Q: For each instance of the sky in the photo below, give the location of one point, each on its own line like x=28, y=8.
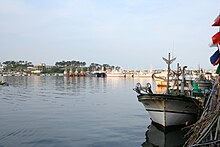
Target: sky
x=132, y=34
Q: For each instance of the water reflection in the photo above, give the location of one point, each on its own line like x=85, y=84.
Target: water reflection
x=155, y=137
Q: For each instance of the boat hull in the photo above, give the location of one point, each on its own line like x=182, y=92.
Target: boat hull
x=168, y=110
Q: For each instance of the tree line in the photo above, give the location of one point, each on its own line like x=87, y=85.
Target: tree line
x=22, y=65
x=16, y=65
x=70, y=63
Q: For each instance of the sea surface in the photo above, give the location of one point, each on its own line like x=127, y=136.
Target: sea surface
x=50, y=111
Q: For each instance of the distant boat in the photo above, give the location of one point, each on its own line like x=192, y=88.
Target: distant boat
x=82, y=74
x=65, y=72
x=169, y=109
x=97, y=74
x=92, y=75
x=142, y=74
x=4, y=83
x=161, y=79
x=76, y=73
x=115, y=73
x=70, y=74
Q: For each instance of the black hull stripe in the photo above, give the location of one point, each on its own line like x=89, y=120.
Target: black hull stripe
x=190, y=113
x=163, y=97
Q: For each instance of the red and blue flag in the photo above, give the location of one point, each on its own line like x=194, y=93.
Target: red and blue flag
x=215, y=58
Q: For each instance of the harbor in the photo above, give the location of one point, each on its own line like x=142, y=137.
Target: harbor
x=181, y=112
x=109, y=73
x=179, y=102
x=48, y=101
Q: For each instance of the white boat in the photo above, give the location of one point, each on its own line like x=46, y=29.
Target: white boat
x=143, y=74
x=115, y=73
x=169, y=109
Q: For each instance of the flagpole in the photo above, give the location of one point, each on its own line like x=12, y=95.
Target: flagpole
x=218, y=63
x=219, y=52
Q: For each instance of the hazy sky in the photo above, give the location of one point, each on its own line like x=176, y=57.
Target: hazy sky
x=133, y=34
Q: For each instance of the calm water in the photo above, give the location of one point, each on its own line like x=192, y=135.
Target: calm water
x=72, y=112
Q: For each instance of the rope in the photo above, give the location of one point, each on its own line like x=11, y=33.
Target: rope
x=209, y=120
x=206, y=143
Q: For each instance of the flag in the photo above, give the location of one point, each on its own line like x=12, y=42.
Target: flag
x=214, y=59
x=215, y=39
x=218, y=69
x=217, y=21
x=216, y=62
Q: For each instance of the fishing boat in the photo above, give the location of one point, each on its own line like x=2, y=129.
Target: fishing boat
x=92, y=75
x=174, y=108
x=115, y=73
x=143, y=74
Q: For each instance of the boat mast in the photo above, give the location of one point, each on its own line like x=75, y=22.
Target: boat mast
x=183, y=80
x=177, y=74
x=168, y=61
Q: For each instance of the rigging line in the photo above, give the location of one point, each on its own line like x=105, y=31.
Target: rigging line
x=214, y=88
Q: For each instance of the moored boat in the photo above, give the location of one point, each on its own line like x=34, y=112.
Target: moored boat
x=92, y=75
x=115, y=73
x=172, y=108
x=143, y=74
